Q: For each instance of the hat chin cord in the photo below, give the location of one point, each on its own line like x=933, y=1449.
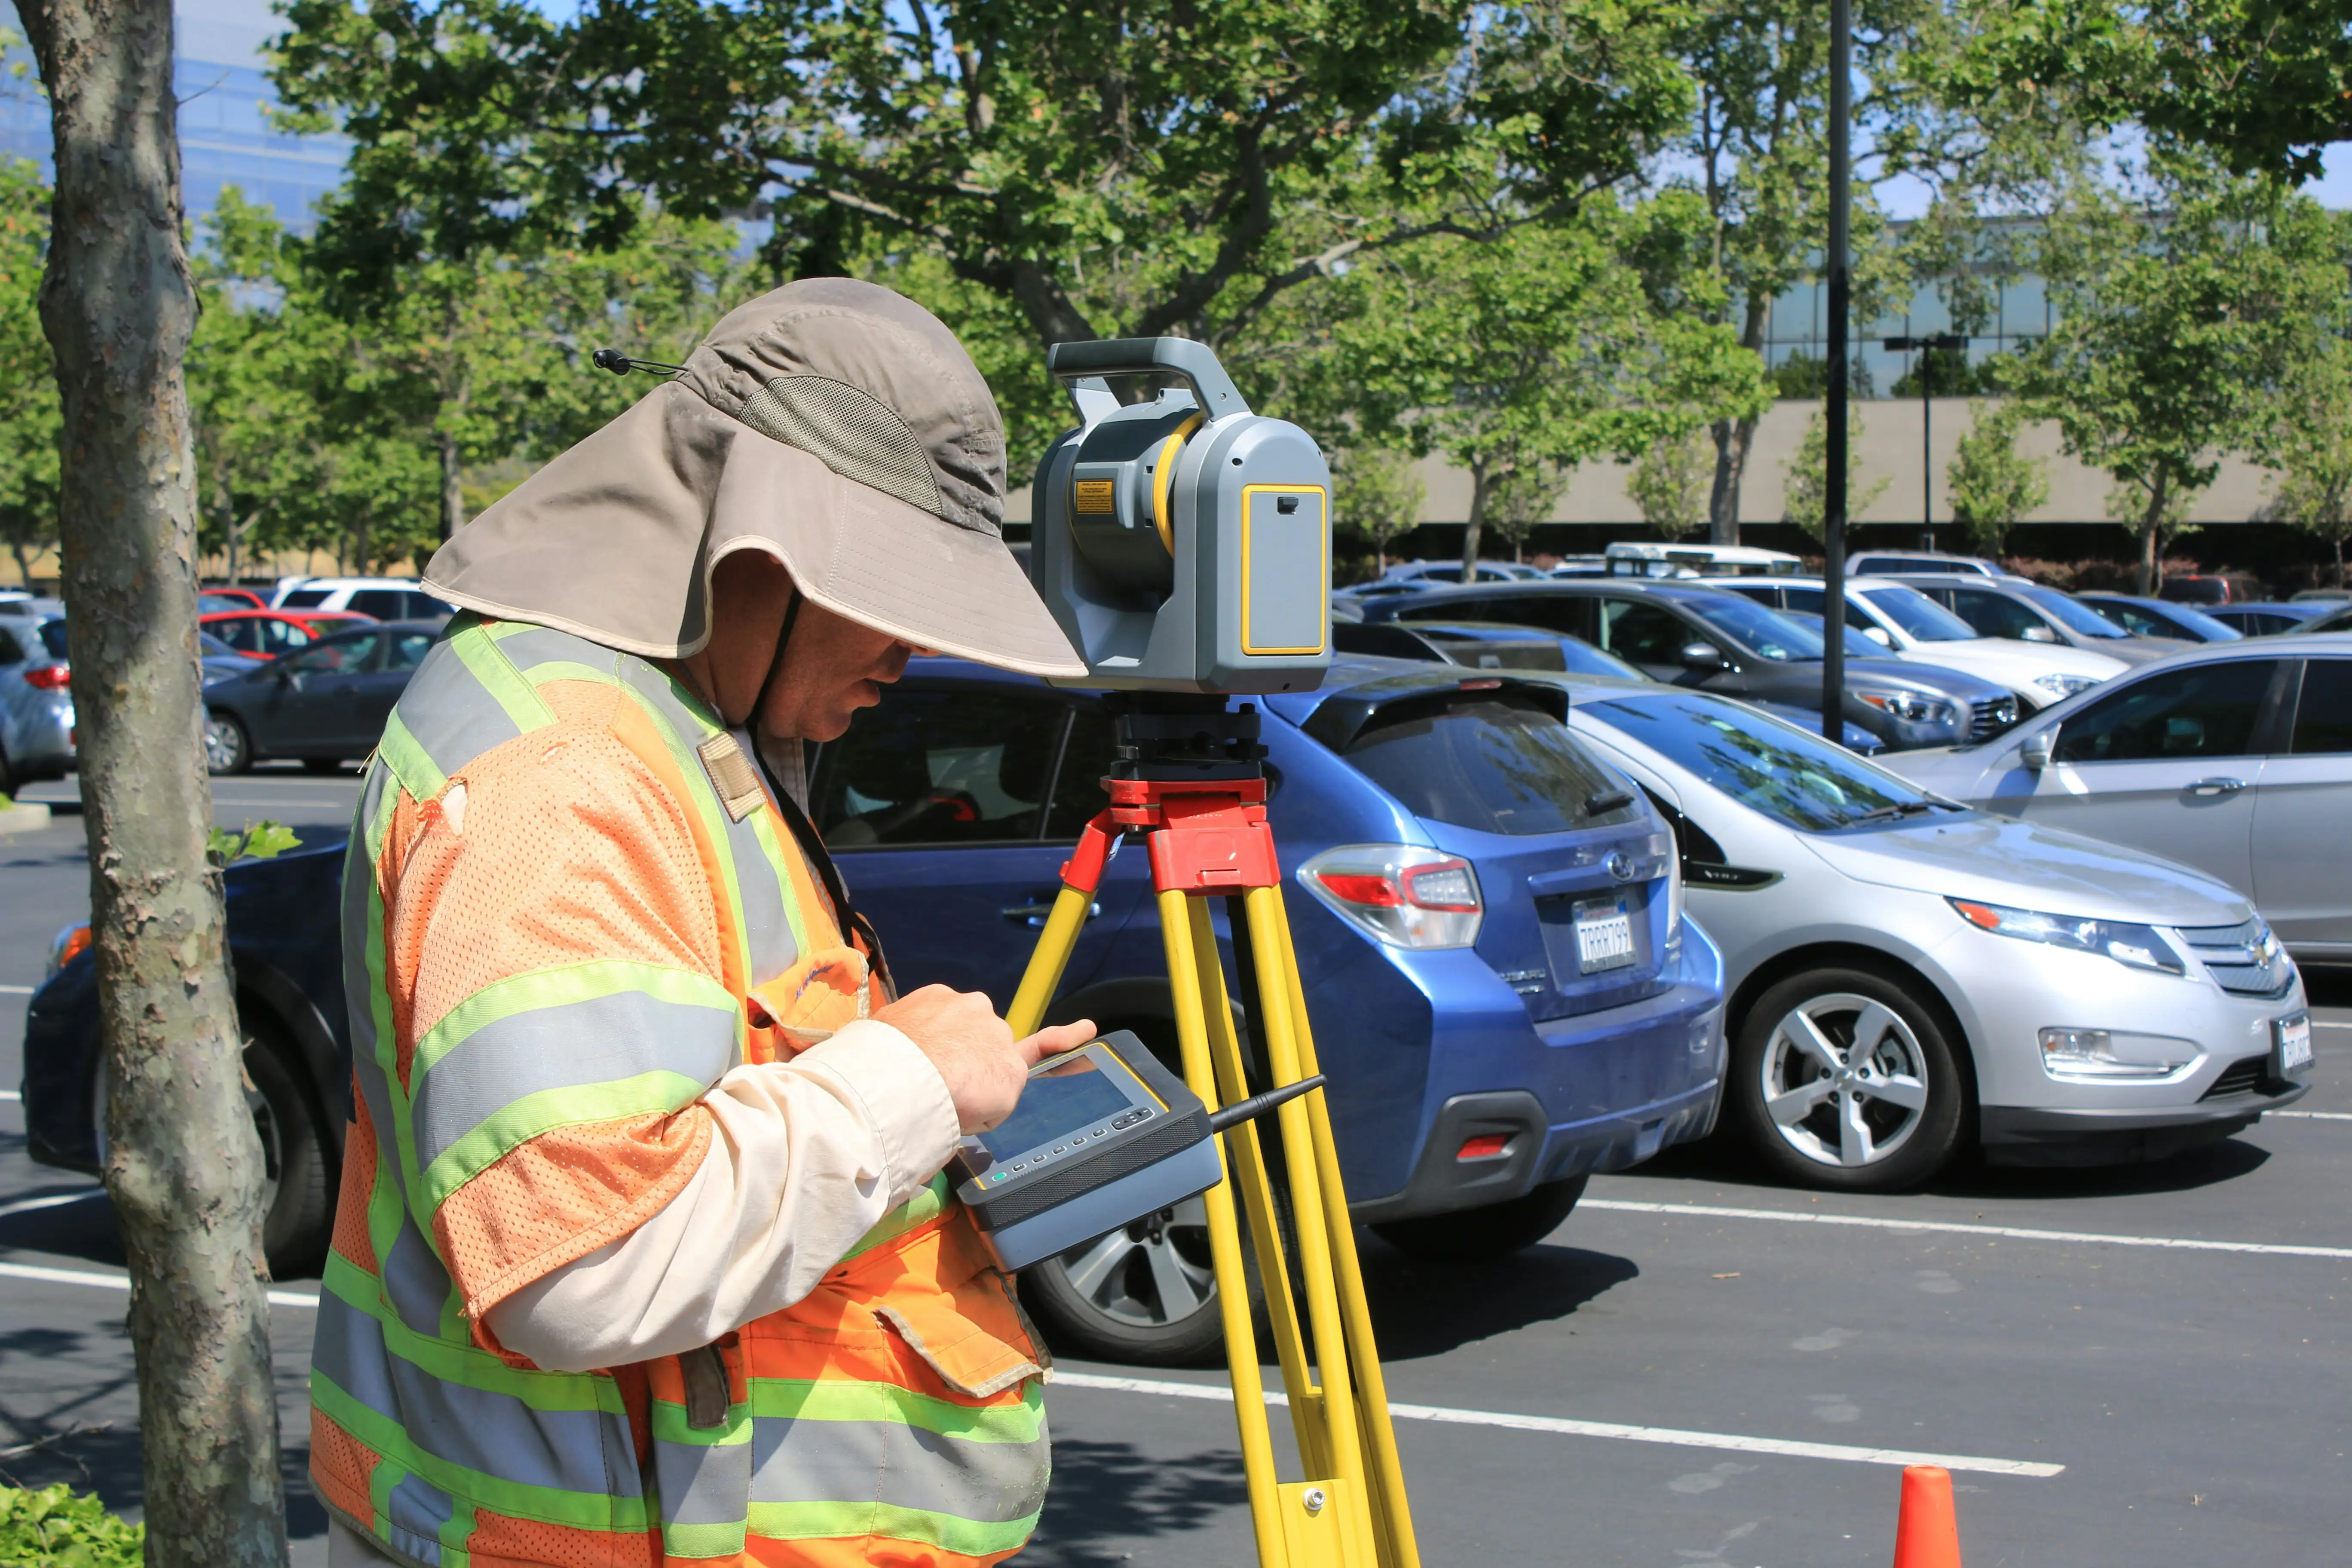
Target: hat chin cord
x=776, y=665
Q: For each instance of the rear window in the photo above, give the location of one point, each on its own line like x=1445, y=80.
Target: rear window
x=53, y=637
x=1493, y=765
x=304, y=599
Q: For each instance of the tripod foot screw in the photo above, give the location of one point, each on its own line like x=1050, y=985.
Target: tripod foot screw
x=1313, y=1498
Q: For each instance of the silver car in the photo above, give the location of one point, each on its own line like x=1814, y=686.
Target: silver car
x=2235, y=758
x=1909, y=976
x=37, y=712
x=2013, y=607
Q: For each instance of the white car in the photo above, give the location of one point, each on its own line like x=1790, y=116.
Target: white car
x=1905, y=977
x=2234, y=757
x=1913, y=627
x=385, y=598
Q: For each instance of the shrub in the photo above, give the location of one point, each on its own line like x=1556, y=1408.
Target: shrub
x=53, y=1528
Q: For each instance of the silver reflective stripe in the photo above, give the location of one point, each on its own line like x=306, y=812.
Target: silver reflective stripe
x=703, y=1483
x=416, y=1511
x=498, y=1435
x=453, y=716
x=542, y=645
x=570, y=1045
x=358, y=882
x=893, y=1462
x=413, y=1280
x=760, y=881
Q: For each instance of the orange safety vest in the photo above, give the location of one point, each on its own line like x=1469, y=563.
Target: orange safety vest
x=531, y=1091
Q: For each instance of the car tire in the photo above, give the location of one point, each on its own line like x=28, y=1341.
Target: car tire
x=1145, y=1295
x=1484, y=1235
x=322, y=764
x=227, y=748
x=1819, y=1114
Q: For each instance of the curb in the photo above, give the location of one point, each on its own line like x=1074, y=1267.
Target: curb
x=24, y=816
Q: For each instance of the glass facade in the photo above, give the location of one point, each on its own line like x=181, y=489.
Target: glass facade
x=226, y=138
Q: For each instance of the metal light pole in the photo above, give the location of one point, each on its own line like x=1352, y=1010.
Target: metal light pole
x=1841, y=285
x=1924, y=347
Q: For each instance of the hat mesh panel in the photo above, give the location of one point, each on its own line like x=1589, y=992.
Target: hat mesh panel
x=853, y=433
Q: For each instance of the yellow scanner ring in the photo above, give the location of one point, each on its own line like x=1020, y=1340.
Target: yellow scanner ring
x=1163, y=480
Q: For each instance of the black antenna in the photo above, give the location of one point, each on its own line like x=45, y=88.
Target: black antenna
x=620, y=364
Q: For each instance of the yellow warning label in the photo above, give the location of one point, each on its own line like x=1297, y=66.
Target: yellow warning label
x=1096, y=496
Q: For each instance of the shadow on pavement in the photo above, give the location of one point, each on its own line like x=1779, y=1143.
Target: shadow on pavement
x=84, y=1230
x=1427, y=1308
x=1106, y=1492
x=1721, y=1159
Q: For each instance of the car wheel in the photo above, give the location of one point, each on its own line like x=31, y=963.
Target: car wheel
x=1842, y=1079
x=1483, y=1235
x=322, y=764
x=1145, y=1294
x=227, y=748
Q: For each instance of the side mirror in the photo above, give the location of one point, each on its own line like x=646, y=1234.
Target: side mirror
x=2038, y=633
x=2040, y=748
x=1701, y=657
x=1878, y=635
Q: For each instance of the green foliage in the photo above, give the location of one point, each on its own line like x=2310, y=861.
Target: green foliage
x=1947, y=373
x=1376, y=492
x=263, y=840
x=1804, y=499
x=29, y=411
x=2263, y=83
x=2181, y=301
x=53, y=1528
x=1993, y=485
x=1669, y=484
x=2308, y=435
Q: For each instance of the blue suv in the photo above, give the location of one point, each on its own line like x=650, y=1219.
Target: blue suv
x=1489, y=921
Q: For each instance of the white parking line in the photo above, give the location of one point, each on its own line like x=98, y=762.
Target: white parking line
x=52, y=1201
x=2314, y=1115
x=220, y=805
x=122, y=1283
x=1703, y=1211
x=11, y=1096
x=16, y=990
x=1613, y=1429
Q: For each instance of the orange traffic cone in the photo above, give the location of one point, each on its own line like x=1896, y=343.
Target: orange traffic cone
x=1926, y=1533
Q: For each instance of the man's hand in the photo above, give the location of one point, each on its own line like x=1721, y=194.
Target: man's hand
x=974, y=1049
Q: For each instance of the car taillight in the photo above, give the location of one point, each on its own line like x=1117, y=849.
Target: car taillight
x=49, y=677
x=1404, y=895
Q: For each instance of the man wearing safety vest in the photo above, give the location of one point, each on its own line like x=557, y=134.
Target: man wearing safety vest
x=644, y=1255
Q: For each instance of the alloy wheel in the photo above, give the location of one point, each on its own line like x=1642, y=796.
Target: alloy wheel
x=1845, y=1080
x=224, y=743
x=1149, y=1274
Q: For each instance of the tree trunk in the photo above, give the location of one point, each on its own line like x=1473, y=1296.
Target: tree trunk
x=2152, y=527
x=453, y=491
x=1734, y=440
x=184, y=1167
x=1476, y=524
x=2339, y=560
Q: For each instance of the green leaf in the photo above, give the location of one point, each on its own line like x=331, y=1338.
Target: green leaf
x=54, y=1528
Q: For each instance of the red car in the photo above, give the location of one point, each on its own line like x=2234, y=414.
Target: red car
x=266, y=634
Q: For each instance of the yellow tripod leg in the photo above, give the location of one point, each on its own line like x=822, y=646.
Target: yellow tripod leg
x=1047, y=962
x=1247, y=1158
x=1225, y=1243
x=1278, y=985
x=1392, y=1514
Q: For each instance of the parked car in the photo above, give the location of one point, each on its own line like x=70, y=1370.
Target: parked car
x=1468, y=642
x=2235, y=759
x=269, y=633
x=385, y=598
x=286, y=958
x=2160, y=618
x=1912, y=627
x=221, y=661
x=1883, y=562
x=2190, y=588
x=1693, y=634
x=212, y=600
x=1635, y=558
x=1909, y=977
x=1451, y=572
x=2265, y=620
x=2013, y=607
x=36, y=710
x=2335, y=620
x=1445, y=836
x=1356, y=592
x=325, y=703
x=2321, y=596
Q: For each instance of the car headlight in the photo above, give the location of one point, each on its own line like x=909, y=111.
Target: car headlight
x=2103, y=1055
x=2065, y=685
x=1911, y=706
x=2134, y=946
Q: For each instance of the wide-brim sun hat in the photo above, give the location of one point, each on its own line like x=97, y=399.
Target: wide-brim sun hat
x=831, y=424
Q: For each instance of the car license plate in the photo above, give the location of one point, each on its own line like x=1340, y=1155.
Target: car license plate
x=1605, y=936
x=2293, y=1043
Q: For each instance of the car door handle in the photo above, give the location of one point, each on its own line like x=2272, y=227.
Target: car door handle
x=1035, y=913
x=2213, y=787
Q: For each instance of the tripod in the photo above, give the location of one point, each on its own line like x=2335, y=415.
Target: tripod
x=1188, y=777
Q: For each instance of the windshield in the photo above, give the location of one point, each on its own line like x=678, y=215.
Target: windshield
x=1798, y=780
x=1918, y=615
x=1768, y=633
x=1856, y=645
x=2072, y=614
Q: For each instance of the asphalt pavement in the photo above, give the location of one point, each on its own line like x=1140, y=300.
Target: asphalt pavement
x=2122, y=1367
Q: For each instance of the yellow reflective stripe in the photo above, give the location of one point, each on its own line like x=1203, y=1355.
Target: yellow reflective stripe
x=463, y=1362
x=657, y=1092
x=843, y=1399
x=925, y=1206
x=553, y=987
x=405, y=757
x=692, y=1541
x=499, y=678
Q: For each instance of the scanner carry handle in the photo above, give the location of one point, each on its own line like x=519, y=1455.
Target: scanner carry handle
x=1213, y=389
